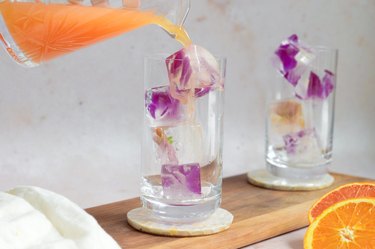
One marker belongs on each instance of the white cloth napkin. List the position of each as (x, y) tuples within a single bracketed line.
[(35, 218)]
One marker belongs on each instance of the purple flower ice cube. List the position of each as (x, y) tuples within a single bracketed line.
[(160, 105), (181, 181), (192, 72), (295, 63), (291, 141), (320, 88), (301, 142), (293, 58), (286, 53), (166, 151)]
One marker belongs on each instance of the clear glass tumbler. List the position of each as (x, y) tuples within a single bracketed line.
[(299, 119), (181, 147)]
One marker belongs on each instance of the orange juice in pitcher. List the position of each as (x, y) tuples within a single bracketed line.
[(37, 31)]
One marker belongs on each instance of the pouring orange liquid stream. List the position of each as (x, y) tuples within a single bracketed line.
[(45, 31)]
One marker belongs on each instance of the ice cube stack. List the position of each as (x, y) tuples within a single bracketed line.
[(192, 72), (294, 119)]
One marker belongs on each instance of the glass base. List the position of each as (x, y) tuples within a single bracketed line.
[(182, 213), (284, 171), (143, 220)]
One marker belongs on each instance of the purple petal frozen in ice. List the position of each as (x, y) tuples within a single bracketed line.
[(286, 53), (293, 77), (181, 180), (328, 83), (320, 88), (294, 61), (315, 88), (190, 68), (179, 72), (290, 143), (199, 92), (303, 146), (178, 57), (293, 140), (160, 104), (186, 72), (293, 38)]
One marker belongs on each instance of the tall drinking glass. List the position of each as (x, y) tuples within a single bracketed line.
[(181, 147), (299, 129)]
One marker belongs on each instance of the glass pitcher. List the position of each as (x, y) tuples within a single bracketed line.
[(34, 31)]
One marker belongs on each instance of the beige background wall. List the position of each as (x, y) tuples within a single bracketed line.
[(74, 125)]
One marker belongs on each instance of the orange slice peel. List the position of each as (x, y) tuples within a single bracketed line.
[(351, 190)]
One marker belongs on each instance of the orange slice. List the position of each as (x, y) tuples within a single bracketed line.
[(351, 190), (349, 224)]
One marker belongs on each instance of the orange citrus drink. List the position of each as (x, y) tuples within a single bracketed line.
[(45, 31)]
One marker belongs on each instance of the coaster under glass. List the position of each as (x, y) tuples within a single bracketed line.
[(144, 220), (263, 178)]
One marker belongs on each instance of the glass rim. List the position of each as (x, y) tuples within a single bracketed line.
[(321, 48), (163, 56)]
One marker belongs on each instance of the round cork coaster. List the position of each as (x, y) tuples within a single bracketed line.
[(143, 220), (264, 179)]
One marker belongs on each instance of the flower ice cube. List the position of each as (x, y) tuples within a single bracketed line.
[(181, 143), (287, 116), (315, 87), (302, 146), (320, 88), (188, 142), (293, 59), (165, 151), (296, 63), (192, 72), (181, 181), (161, 106)]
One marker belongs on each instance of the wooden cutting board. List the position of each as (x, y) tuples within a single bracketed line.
[(258, 214)]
